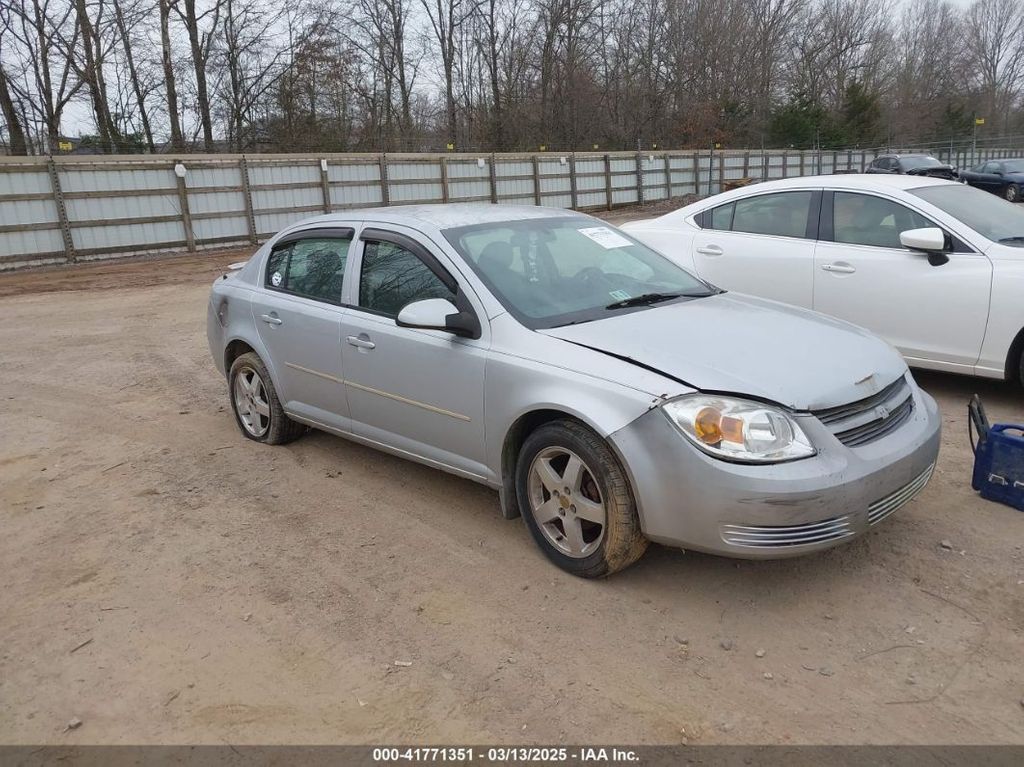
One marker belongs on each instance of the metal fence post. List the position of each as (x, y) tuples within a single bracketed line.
[(803, 156), (62, 212), (668, 176), (444, 179), (721, 171), (608, 182), (746, 164), (696, 173), (385, 193), (186, 214), (250, 219)]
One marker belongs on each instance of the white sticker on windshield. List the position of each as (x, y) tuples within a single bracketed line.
[(605, 237), (619, 295)]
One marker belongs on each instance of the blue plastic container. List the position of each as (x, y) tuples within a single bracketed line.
[(998, 458)]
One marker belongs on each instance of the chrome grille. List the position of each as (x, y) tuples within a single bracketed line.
[(883, 507), (871, 418), (788, 535)]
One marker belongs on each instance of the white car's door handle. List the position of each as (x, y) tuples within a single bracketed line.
[(270, 319), (840, 267), (361, 343), (710, 250)]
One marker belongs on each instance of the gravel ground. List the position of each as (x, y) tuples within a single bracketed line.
[(167, 581)]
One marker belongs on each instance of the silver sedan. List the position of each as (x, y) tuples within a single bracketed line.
[(611, 397)]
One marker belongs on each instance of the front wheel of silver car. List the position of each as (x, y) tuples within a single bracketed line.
[(1012, 193), (255, 404), (575, 498)]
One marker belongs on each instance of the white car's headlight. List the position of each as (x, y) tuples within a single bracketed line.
[(739, 430)]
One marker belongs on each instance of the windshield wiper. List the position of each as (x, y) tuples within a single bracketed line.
[(643, 300), (646, 299), (1017, 238)]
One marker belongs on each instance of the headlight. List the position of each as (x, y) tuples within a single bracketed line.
[(739, 430)]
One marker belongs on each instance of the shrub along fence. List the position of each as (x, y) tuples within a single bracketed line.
[(70, 208)]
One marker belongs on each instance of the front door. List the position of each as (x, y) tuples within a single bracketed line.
[(416, 391), (934, 315), (299, 315)]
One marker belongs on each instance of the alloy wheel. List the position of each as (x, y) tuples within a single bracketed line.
[(566, 502), (251, 402)]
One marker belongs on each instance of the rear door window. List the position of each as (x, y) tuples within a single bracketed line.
[(780, 215), (310, 267)]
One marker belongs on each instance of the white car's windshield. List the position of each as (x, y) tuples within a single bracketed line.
[(988, 215), (557, 271)]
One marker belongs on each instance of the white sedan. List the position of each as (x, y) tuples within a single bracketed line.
[(935, 267)]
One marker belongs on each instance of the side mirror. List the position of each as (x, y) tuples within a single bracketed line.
[(438, 314), (930, 239)]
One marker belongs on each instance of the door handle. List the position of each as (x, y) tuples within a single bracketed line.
[(271, 319), (710, 250), (840, 268), (361, 343)]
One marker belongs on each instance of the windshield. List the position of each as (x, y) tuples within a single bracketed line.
[(920, 162), (1013, 166), (988, 215), (556, 271)]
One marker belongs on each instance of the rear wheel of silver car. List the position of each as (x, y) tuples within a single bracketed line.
[(255, 404), (1012, 193), (575, 498)]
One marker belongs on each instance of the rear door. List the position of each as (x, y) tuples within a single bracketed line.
[(298, 313), (935, 315), (762, 244)]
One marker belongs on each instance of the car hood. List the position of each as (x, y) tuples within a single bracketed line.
[(738, 344)]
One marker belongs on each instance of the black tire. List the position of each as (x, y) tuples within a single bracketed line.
[(623, 542), (1012, 193), (281, 428)]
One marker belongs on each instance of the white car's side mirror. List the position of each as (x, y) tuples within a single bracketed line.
[(929, 239)]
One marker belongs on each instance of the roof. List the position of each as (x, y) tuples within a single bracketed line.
[(867, 181), (444, 216)]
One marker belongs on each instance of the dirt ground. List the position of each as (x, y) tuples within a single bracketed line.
[(167, 581)]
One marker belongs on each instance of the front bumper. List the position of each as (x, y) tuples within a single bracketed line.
[(692, 500)]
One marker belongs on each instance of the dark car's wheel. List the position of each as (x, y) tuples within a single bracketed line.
[(255, 404), (575, 498), (1012, 193)]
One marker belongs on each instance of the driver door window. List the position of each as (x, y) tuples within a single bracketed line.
[(862, 219), (393, 276)]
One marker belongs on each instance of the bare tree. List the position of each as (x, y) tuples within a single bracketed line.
[(202, 28), (994, 37)]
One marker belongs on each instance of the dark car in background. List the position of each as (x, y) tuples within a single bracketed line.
[(1003, 177), (912, 165)]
